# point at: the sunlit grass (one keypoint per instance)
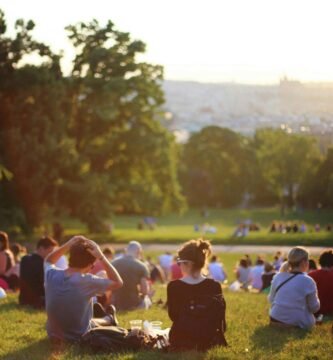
(23, 336)
(178, 228)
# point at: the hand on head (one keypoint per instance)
(94, 249)
(77, 239)
(91, 246)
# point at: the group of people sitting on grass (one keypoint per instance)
(295, 227)
(300, 291)
(258, 276)
(245, 227)
(69, 293)
(167, 269)
(195, 302)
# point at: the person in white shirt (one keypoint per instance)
(294, 296)
(166, 263)
(62, 263)
(216, 270)
(255, 274)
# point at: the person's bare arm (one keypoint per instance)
(312, 300)
(111, 272)
(237, 274)
(3, 262)
(144, 286)
(57, 253)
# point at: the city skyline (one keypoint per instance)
(255, 42)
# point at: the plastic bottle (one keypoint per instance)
(147, 328)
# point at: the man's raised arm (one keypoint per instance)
(57, 253)
(111, 272)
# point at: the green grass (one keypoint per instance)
(179, 228)
(23, 336)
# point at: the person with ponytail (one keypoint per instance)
(196, 305)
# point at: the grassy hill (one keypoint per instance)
(179, 228)
(23, 336)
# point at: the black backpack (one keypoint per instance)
(116, 339)
(201, 324)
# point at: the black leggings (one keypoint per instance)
(99, 311)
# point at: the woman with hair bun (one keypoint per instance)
(195, 303)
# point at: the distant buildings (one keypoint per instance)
(290, 105)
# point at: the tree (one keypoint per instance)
(318, 187)
(30, 103)
(116, 108)
(216, 167)
(88, 144)
(285, 160)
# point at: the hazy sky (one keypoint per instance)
(249, 41)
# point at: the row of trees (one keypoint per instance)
(92, 143)
(223, 168)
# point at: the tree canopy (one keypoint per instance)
(91, 143)
(215, 171)
(285, 160)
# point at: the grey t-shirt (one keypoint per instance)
(296, 301)
(244, 274)
(68, 301)
(131, 271)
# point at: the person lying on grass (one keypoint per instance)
(293, 294)
(69, 293)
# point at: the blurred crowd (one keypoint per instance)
(81, 286)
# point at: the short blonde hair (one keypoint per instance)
(296, 255)
(284, 267)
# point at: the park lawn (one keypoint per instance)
(22, 331)
(22, 334)
(179, 228)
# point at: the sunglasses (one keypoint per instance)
(180, 261)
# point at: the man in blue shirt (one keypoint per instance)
(69, 293)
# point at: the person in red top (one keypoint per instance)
(98, 265)
(324, 280)
(176, 272)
